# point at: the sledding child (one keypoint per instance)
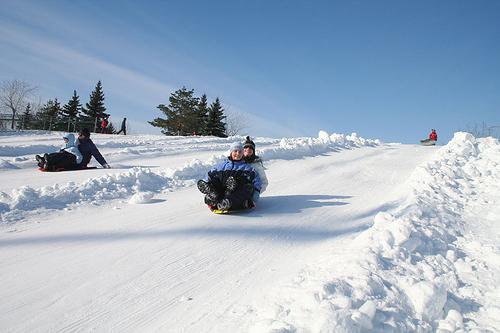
(67, 158)
(256, 162)
(431, 141)
(230, 184)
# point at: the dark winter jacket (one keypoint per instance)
(88, 149)
(239, 169)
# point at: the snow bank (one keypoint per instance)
(27, 200)
(294, 148)
(142, 198)
(416, 269)
(7, 165)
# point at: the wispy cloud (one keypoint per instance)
(129, 92)
(129, 84)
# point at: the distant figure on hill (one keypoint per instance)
(124, 127)
(104, 125)
(88, 149)
(431, 141)
(433, 135)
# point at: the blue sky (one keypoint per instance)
(384, 69)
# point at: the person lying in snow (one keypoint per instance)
(88, 149)
(67, 158)
(256, 162)
(230, 185)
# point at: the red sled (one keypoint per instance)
(62, 169)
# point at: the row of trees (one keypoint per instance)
(16, 97)
(187, 114)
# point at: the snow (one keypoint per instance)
(352, 235)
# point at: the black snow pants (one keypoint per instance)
(240, 195)
(60, 160)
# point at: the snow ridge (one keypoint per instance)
(27, 200)
(415, 269)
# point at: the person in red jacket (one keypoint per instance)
(104, 125)
(433, 136)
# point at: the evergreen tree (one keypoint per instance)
(27, 117)
(71, 112)
(202, 115)
(181, 114)
(215, 124)
(72, 109)
(111, 128)
(49, 114)
(94, 109)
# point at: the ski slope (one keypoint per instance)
(337, 242)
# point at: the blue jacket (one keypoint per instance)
(243, 169)
(88, 149)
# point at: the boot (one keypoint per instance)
(39, 159)
(225, 204)
(210, 200)
(211, 196)
(231, 185)
(204, 186)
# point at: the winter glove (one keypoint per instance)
(106, 166)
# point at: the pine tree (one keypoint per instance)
(202, 115)
(27, 117)
(215, 124)
(72, 109)
(50, 113)
(71, 112)
(94, 109)
(111, 128)
(181, 114)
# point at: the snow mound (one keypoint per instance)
(7, 165)
(141, 198)
(415, 269)
(293, 148)
(27, 200)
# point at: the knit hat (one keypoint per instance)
(236, 146)
(85, 132)
(249, 143)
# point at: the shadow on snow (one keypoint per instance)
(268, 206)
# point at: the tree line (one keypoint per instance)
(187, 114)
(72, 116)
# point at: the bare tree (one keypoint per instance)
(483, 130)
(235, 122)
(14, 97)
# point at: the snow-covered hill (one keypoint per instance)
(352, 235)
